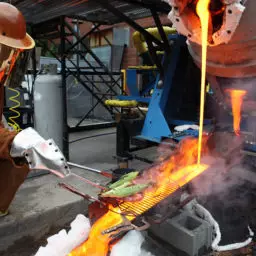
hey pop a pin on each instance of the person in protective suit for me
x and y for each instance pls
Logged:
(14, 146)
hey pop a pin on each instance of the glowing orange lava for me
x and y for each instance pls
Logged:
(166, 178)
(236, 102)
(204, 14)
(98, 244)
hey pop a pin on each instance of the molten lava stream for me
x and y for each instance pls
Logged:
(236, 102)
(204, 14)
(97, 243)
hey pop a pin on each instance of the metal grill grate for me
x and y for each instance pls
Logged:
(149, 201)
(176, 180)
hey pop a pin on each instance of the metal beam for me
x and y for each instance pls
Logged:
(95, 57)
(88, 113)
(83, 37)
(152, 4)
(64, 89)
(74, 73)
(92, 83)
(154, 57)
(128, 20)
(109, 43)
(92, 127)
(161, 30)
(96, 72)
(80, 17)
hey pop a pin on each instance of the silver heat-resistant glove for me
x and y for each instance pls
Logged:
(41, 154)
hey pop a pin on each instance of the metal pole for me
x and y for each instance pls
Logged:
(64, 89)
(84, 167)
(105, 4)
(103, 173)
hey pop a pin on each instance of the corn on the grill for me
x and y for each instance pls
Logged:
(149, 200)
(126, 178)
(122, 191)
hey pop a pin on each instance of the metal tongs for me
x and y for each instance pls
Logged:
(47, 156)
(103, 173)
(126, 225)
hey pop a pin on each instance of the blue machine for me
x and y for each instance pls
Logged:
(131, 83)
(175, 97)
(158, 121)
(164, 104)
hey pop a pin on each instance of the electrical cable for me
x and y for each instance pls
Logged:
(92, 136)
(12, 123)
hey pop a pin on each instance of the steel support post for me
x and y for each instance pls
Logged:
(64, 89)
(122, 144)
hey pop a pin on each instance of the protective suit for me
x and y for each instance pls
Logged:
(19, 151)
(12, 174)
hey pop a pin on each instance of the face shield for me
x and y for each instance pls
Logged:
(8, 57)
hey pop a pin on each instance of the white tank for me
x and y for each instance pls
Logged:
(48, 107)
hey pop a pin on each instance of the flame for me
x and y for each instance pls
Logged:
(204, 14)
(97, 244)
(167, 177)
(236, 102)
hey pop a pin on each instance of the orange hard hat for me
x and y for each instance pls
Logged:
(13, 28)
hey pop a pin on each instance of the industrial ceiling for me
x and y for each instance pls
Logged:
(37, 11)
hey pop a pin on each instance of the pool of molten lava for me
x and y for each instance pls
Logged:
(166, 178)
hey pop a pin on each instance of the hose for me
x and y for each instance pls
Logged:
(206, 215)
(11, 120)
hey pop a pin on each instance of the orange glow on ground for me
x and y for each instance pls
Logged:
(236, 102)
(204, 14)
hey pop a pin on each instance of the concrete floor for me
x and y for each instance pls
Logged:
(41, 207)
(72, 122)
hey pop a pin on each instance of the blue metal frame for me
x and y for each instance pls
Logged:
(131, 82)
(156, 125)
(132, 85)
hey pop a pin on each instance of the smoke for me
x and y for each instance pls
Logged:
(216, 179)
(221, 152)
(226, 171)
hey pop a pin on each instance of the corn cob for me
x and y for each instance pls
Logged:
(126, 178)
(121, 192)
